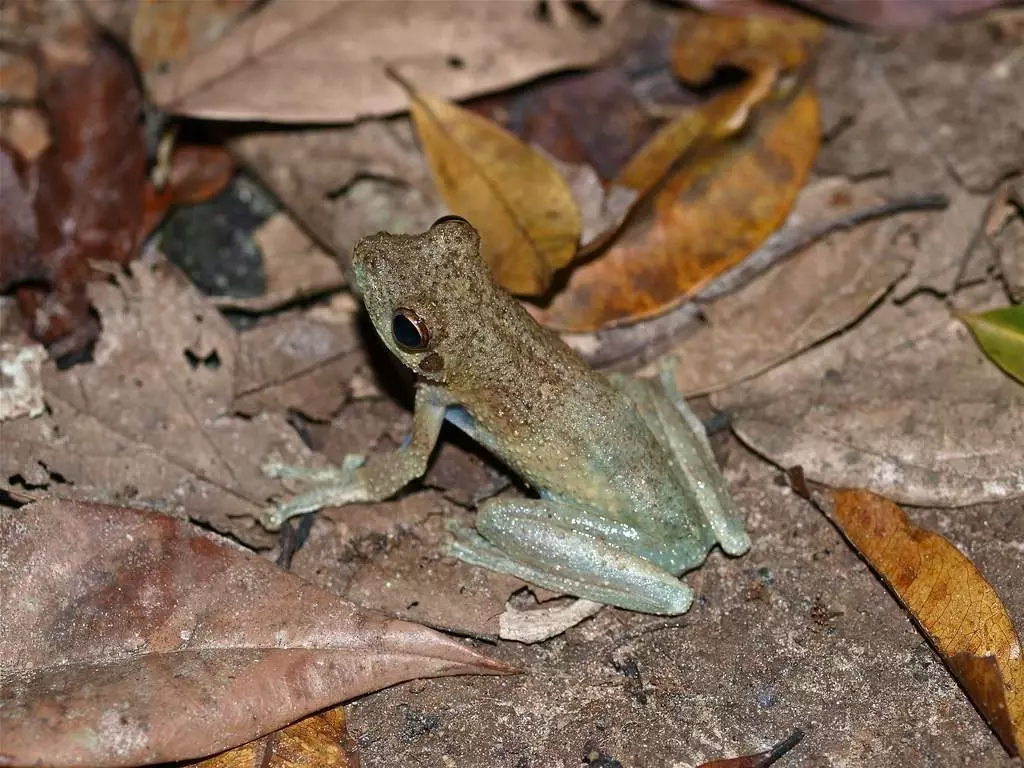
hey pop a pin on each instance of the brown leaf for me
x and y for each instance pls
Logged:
(89, 182)
(753, 42)
(705, 219)
(899, 13)
(19, 236)
(806, 298)
(195, 172)
(152, 642)
(165, 33)
(154, 409)
(880, 406)
(298, 362)
(949, 599)
(525, 212)
(325, 61)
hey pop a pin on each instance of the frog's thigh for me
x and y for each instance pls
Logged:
(677, 427)
(534, 540)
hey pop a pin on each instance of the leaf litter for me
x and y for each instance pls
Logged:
(387, 554)
(155, 642)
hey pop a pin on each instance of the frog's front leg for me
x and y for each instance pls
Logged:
(361, 480)
(573, 550)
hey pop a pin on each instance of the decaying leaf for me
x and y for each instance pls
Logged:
(165, 33)
(750, 42)
(89, 183)
(812, 295)
(154, 409)
(321, 740)
(325, 61)
(949, 599)
(1000, 333)
(904, 404)
(706, 218)
(295, 266)
(153, 642)
(899, 13)
(194, 173)
(528, 221)
(298, 362)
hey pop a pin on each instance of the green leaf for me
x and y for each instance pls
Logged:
(1000, 334)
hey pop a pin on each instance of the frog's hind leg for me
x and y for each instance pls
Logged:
(677, 427)
(541, 542)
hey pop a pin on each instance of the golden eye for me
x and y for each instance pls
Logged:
(409, 330)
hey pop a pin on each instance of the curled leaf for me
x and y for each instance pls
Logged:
(525, 211)
(706, 218)
(1000, 334)
(751, 42)
(153, 642)
(948, 598)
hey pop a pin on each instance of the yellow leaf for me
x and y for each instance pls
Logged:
(523, 209)
(958, 611)
(1000, 334)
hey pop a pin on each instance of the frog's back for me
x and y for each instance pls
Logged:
(563, 427)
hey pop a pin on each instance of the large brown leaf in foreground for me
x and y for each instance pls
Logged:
(958, 611)
(131, 637)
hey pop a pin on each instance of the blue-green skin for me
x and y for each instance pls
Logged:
(630, 494)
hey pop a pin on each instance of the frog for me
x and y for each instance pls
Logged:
(628, 493)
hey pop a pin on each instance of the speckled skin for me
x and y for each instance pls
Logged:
(630, 494)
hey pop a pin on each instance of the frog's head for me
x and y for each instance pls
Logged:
(424, 293)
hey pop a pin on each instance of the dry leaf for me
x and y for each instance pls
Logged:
(196, 173)
(165, 33)
(323, 176)
(753, 42)
(1000, 333)
(539, 624)
(904, 404)
(296, 362)
(705, 219)
(899, 13)
(528, 221)
(806, 298)
(949, 599)
(152, 642)
(88, 185)
(154, 409)
(295, 266)
(319, 740)
(325, 61)
(716, 119)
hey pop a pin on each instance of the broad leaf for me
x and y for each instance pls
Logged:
(130, 637)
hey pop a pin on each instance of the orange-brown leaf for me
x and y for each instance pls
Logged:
(705, 219)
(525, 212)
(321, 740)
(747, 42)
(949, 599)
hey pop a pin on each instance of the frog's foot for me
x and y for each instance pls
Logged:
(336, 486)
(546, 554)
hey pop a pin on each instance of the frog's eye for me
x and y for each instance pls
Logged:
(409, 330)
(445, 219)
